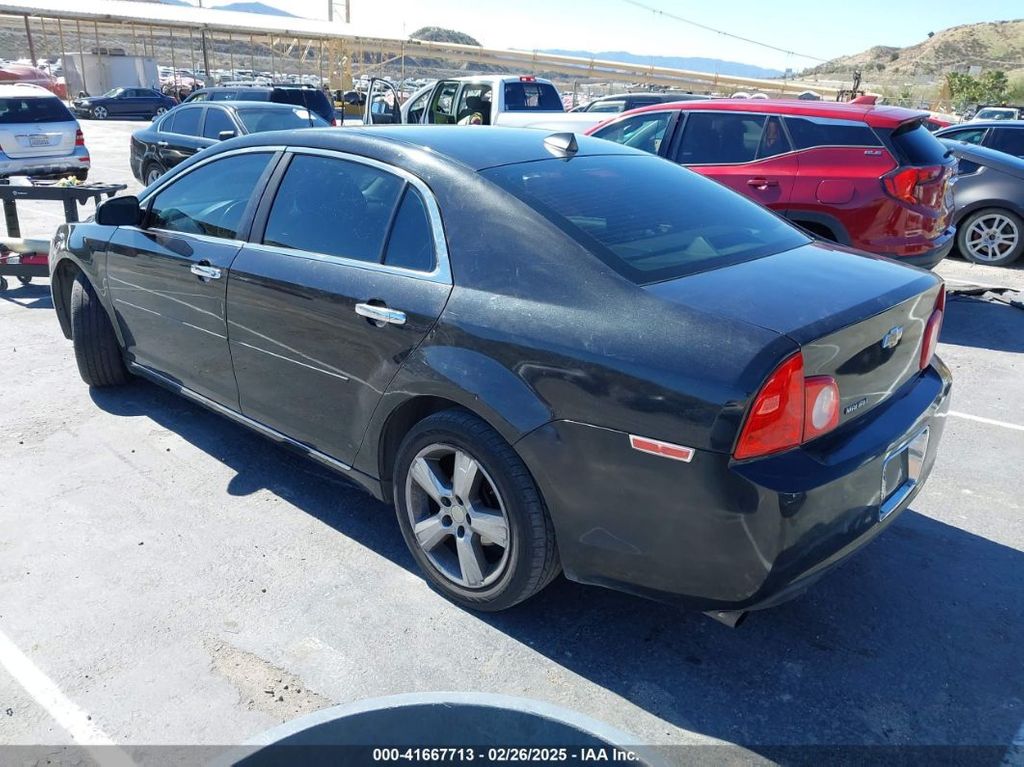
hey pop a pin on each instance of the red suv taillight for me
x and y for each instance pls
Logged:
(907, 184)
(788, 411)
(79, 138)
(932, 329)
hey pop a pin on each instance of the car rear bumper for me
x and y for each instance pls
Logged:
(44, 166)
(930, 255)
(714, 534)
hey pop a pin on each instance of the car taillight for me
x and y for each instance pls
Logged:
(79, 138)
(905, 183)
(788, 411)
(932, 329)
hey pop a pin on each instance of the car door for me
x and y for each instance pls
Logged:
(167, 277)
(181, 135)
(119, 105)
(748, 152)
(383, 103)
(345, 273)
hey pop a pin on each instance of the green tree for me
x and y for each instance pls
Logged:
(993, 87)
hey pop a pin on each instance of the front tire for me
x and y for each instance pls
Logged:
(159, 111)
(471, 514)
(97, 351)
(100, 113)
(991, 236)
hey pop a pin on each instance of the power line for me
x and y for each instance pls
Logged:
(668, 15)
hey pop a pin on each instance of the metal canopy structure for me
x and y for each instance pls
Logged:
(329, 43)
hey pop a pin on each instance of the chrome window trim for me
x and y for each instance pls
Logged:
(269, 149)
(441, 273)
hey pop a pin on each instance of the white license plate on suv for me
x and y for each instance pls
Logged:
(38, 139)
(901, 473)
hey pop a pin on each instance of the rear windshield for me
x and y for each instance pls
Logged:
(649, 219)
(916, 145)
(258, 120)
(33, 110)
(306, 97)
(524, 97)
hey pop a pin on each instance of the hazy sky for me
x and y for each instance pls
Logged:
(821, 28)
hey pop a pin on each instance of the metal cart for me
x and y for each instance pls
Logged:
(28, 258)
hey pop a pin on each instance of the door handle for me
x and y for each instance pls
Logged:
(381, 314)
(205, 271)
(761, 183)
(161, 143)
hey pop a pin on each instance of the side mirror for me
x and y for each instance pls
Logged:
(119, 211)
(224, 135)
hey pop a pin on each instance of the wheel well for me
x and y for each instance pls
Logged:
(818, 229)
(401, 420)
(62, 279)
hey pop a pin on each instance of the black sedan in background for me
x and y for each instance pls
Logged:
(191, 127)
(988, 200)
(549, 352)
(123, 102)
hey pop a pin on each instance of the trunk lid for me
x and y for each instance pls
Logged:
(38, 139)
(858, 318)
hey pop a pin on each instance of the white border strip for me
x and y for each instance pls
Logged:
(989, 421)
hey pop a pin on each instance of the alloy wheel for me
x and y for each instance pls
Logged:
(100, 113)
(160, 110)
(457, 516)
(991, 237)
(152, 176)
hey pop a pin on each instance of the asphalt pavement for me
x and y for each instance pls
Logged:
(175, 578)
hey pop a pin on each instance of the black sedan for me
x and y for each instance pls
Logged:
(989, 204)
(549, 352)
(190, 127)
(123, 102)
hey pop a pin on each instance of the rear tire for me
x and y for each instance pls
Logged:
(152, 173)
(488, 543)
(97, 351)
(100, 113)
(991, 236)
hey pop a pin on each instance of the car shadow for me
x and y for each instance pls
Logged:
(31, 296)
(983, 323)
(916, 641)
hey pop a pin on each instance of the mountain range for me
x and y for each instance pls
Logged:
(695, 63)
(243, 7)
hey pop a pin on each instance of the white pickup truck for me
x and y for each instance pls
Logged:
(511, 101)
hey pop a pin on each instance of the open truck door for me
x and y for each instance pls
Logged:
(383, 104)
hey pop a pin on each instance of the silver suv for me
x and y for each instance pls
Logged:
(38, 135)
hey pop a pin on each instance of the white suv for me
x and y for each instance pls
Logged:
(38, 135)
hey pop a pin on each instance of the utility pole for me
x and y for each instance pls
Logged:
(206, 58)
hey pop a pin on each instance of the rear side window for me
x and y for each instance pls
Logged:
(1009, 140)
(259, 120)
(411, 244)
(186, 121)
(334, 207)
(648, 219)
(644, 131)
(975, 136)
(810, 132)
(33, 110)
(916, 145)
(288, 96)
(719, 138)
(523, 97)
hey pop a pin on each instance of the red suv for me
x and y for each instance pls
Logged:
(872, 177)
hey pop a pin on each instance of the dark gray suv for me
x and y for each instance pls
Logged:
(989, 204)
(1004, 135)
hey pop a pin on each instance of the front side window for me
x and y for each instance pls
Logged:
(418, 107)
(615, 105)
(442, 108)
(257, 120)
(211, 199)
(644, 131)
(720, 138)
(975, 136)
(333, 207)
(627, 211)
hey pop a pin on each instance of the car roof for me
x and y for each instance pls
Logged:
(874, 115)
(476, 148)
(24, 90)
(272, 106)
(975, 124)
